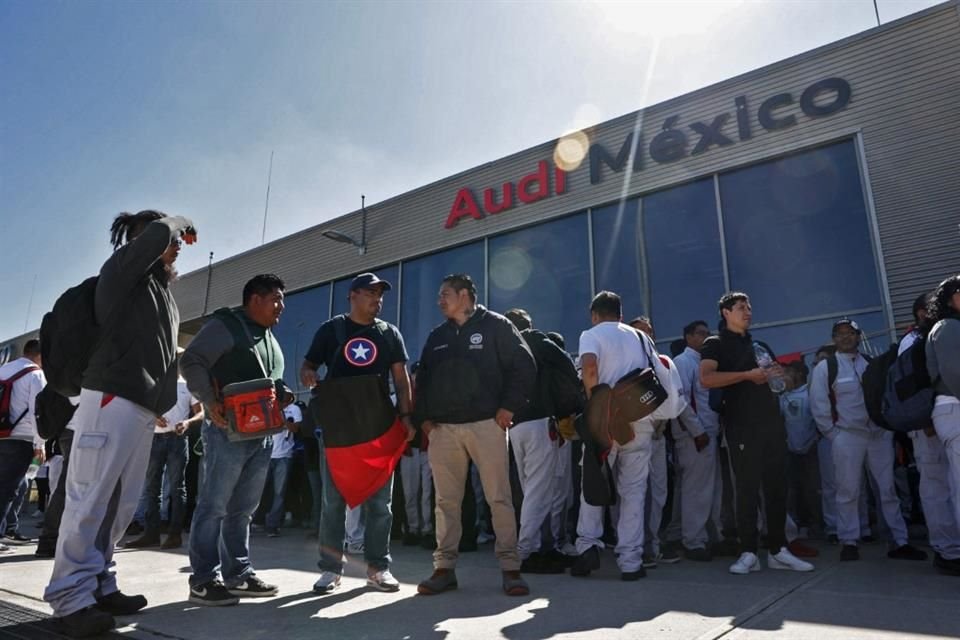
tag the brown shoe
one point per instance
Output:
(441, 580)
(173, 541)
(514, 584)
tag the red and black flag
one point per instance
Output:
(362, 434)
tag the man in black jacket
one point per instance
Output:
(475, 373)
(131, 379)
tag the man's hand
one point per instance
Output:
(293, 427)
(427, 427)
(40, 455)
(408, 424)
(308, 376)
(773, 371)
(179, 428)
(504, 418)
(161, 422)
(701, 441)
(757, 376)
(216, 415)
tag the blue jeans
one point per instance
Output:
(15, 457)
(167, 451)
(279, 472)
(379, 518)
(234, 474)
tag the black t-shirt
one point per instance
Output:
(745, 402)
(367, 350)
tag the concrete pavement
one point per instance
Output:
(873, 598)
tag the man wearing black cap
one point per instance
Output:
(359, 344)
(838, 406)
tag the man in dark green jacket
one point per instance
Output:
(234, 346)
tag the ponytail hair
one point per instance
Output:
(128, 226)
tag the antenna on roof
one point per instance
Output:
(876, 11)
(266, 205)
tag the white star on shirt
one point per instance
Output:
(360, 352)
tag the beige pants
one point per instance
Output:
(452, 446)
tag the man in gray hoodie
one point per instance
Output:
(130, 379)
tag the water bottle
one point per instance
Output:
(765, 361)
(33, 469)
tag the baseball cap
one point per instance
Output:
(846, 321)
(369, 281)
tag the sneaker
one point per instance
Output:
(586, 562)
(273, 532)
(668, 555)
(382, 580)
(143, 542)
(633, 576)
(4, 548)
(483, 537)
(786, 561)
(541, 563)
(441, 580)
(173, 541)
(948, 566)
(906, 552)
(355, 548)
(746, 563)
(849, 553)
(649, 561)
(253, 587)
(86, 622)
(700, 554)
(514, 584)
(328, 582)
(569, 549)
(119, 604)
(212, 594)
(18, 539)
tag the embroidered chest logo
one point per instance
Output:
(360, 352)
(476, 341)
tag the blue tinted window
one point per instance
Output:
(617, 256)
(797, 234)
(545, 270)
(341, 294)
(421, 281)
(684, 261)
(807, 337)
(303, 314)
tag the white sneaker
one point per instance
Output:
(355, 548)
(327, 583)
(787, 561)
(746, 563)
(383, 580)
(569, 549)
(4, 548)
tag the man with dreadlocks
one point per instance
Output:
(131, 378)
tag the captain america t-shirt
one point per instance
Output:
(368, 349)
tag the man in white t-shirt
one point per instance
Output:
(281, 460)
(608, 352)
(169, 454)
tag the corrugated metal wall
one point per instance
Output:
(905, 90)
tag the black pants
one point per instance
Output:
(759, 454)
(54, 511)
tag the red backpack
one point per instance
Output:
(7, 424)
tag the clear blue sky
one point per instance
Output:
(121, 106)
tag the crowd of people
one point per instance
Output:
(496, 432)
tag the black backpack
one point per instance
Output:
(68, 336)
(53, 412)
(561, 387)
(908, 395)
(873, 381)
